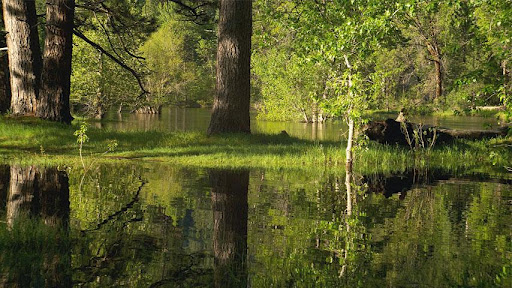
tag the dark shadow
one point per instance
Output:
(401, 182)
(230, 214)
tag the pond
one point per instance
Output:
(158, 225)
(197, 119)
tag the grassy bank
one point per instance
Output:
(29, 141)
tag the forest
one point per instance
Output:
(310, 60)
(255, 143)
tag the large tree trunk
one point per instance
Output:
(5, 88)
(232, 100)
(24, 54)
(230, 213)
(56, 78)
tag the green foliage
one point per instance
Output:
(180, 68)
(391, 48)
(289, 87)
(97, 82)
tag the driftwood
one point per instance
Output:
(412, 134)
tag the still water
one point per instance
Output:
(197, 119)
(157, 225)
(137, 224)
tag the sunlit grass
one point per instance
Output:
(37, 142)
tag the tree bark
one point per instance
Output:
(24, 54)
(232, 99)
(5, 88)
(348, 152)
(434, 51)
(5, 175)
(230, 213)
(56, 78)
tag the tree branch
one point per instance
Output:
(115, 59)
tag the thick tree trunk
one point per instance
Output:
(232, 100)
(230, 213)
(56, 78)
(5, 88)
(24, 54)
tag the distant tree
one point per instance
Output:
(98, 83)
(177, 73)
(232, 99)
(494, 18)
(24, 54)
(53, 103)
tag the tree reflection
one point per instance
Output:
(230, 213)
(35, 246)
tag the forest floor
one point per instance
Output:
(34, 142)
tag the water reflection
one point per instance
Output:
(230, 213)
(157, 225)
(35, 246)
(402, 182)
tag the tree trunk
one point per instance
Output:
(230, 213)
(232, 99)
(505, 81)
(5, 89)
(24, 54)
(99, 109)
(5, 175)
(350, 141)
(434, 51)
(56, 78)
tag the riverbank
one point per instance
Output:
(37, 142)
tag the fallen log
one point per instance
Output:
(414, 135)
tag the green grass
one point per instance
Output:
(28, 141)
